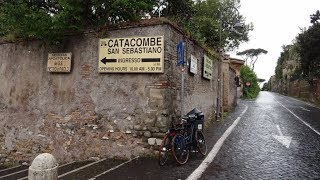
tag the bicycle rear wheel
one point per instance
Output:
(201, 142)
(164, 150)
(180, 151)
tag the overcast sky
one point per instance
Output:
(276, 22)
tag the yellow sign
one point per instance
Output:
(131, 55)
(59, 62)
(207, 67)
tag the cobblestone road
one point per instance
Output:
(277, 138)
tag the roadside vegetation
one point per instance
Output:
(49, 20)
(298, 68)
(248, 75)
(304, 54)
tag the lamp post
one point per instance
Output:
(234, 26)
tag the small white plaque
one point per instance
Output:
(193, 65)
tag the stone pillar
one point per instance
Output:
(43, 167)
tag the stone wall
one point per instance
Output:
(236, 65)
(229, 94)
(299, 88)
(83, 113)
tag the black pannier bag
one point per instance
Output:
(197, 117)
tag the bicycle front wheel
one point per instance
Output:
(201, 142)
(164, 150)
(180, 151)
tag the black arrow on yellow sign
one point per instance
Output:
(105, 60)
(150, 59)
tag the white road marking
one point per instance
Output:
(196, 174)
(284, 140)
(82, 167)
(298, 100)
(61, 166)
(24, 178)
(304, 109)
(279, 130)
(116, 167)
(18, 172)
(10, 168)
(284, 98)
(298, 117)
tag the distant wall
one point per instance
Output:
(232, 89)
(84, 113)
(229, 86)
(300, 89)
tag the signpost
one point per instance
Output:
(131, 55)
(180, 61)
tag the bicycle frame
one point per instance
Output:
(188, 136)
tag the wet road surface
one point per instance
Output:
(276, 137)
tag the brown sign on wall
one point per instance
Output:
(59, 62)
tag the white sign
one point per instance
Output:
(193, 65)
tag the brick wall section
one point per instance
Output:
(82, 114)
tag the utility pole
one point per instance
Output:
(181, 61)
(221, 53)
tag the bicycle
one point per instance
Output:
(189, 138)
(165, 147)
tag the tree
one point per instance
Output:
(50, 19)
(309, 51)
(289, 53)
(178, 11)
(315, 17)
(247, 75)
(205, 24)
(284, 56)
(202, 20)
(253, 55)
(22, 19)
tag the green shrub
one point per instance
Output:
(247, 75)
